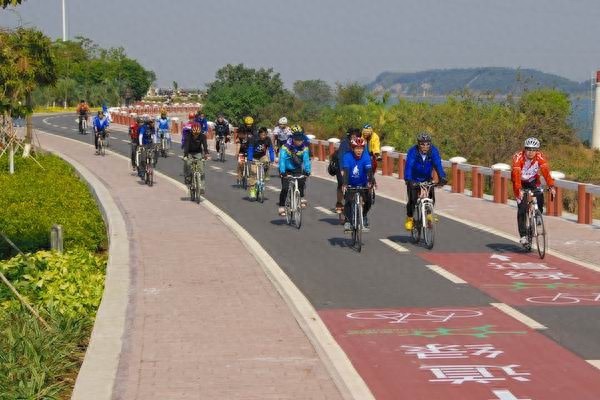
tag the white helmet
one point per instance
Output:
(283, 121)
(532, 143)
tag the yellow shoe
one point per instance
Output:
(409, 224)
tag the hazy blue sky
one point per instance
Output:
(335, 40)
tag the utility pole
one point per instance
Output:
(64, 21)
(595, 142)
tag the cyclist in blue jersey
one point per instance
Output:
(357, 171)
(99, 124)
(421, 160)
(293, 160)
(163, 128)
(146, 142)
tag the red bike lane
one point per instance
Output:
(458, 353)
(523, 279)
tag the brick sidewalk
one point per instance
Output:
(204, 322)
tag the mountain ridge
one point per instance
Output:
(498, 80)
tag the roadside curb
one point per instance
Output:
(342, 372)
(98, 373)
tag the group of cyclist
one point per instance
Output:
(356, 158)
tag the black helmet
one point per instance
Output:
(423, 137)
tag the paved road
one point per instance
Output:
(399, 284)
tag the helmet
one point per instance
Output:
(423, 137)
(283, 121)
(532, 143)
(367, 129)
(191, 115)
(357, 142)
(297, 129)
(248, 120)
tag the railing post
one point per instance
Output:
(496, 185)
(458, 176)
(401, 165)
(555, 205)
(558, 202)
(581, 204)
(475, 182)
(500, 183)
(321, 151)
(454, 184)
(387, 163)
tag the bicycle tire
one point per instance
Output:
(415, 232)
(429, 227)
(101, 147)
(260, 194)
(541, 239)
(198, 184)
(288, 208)
(372, 193)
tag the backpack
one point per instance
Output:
(334, 166)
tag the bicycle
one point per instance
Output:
(197, 182)
(83, 124)
(101, 143)
(424, 217)
(163, 146)
(260, 181)
(357, 216)
(245, 173)
(221, 142)
(149, 168)
(293, 208)
(534, 224)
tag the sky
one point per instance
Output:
(187, 41)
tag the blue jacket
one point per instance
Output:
(203, 124)
(257, 145)
(358, 170)
(286, 159)
(145, 135)
(420, 170)
(100, 125)
(162, 124)
(345, 148)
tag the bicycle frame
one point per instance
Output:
(357, 216)
(531, 223)
(260, 180)
(423, 208)
(293, 211)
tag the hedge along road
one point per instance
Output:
(342, 284)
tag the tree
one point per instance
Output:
(316, 91)
(6, 3)
(239, 91)
(175, 87)
(351, 93)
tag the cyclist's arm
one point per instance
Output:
(251, 153)
(271, 152)
(282, 160)
(375, 144)
(516, 175)
(437, 164)
(545, 169)
(307, 164)
(410, 162)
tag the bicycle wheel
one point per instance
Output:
(192, 192)
(415, 233)
(298, 210)
(101, 147)
(357, 231)
(260, 193)
(541, 239)
(199, 185)
(429, 226)
(222, 152)
(150, 175)
(288, 208)
(372, 193)
(245, 177)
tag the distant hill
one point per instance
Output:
(490, 79)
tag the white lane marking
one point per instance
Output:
(171, 153)
(75, 130)
(448, 275)
(273, 188)
(519, 316)
(325, 210)
(394, 245)
(180, 157)
(595, 363)
(504, 394)
(124, 140)
(216, 168)
(232, 173)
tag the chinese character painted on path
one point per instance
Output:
(459, 374)
(438, 351)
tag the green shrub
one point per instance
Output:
(34, 199)
(36, 363)
(70, 283)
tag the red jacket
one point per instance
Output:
(133, 132)
(524, 170)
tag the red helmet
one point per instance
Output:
(357, 142)
(191, 116)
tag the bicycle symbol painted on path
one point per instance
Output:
(565, 298)
(395, 317)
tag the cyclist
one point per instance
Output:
(134, 136)
(281, 133)
(421, 160)
(201, 119)
(82, 110)
(187, 127)
(163, 128)
(357, 171)
(195, 144)
(221, 130)
(248, 126)
(293, 160)
(100, 124)
(258, 149)
(244, 137)
(373, 145)
(145, 142)
(527, 166)
(344, 148)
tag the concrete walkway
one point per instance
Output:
(203, 320)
